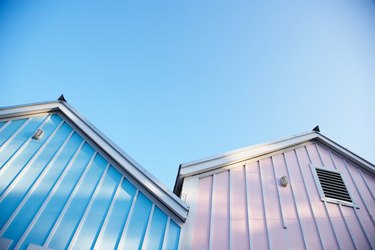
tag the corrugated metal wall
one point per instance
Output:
(245, 207)
(59, 192)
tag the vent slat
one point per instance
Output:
(333, 192)
(329, 174)
(333, 185)
(336, 185)
(328, 177)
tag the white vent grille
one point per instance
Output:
(332, 186)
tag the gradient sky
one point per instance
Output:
(176, 81)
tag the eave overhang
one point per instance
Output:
(247, 153)
(134, 169)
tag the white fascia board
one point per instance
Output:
(232, 157)
(347, 153)
(168, 198)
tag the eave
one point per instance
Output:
(134, 169)
(247, 153)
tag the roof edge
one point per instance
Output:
(154, 186)
(247, 153)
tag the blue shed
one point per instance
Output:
(63, 184)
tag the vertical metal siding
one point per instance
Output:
(283, 217)
(59, 192)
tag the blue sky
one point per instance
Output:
(176, 81)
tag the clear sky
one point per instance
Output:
(176, 81)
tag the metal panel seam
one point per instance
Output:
(321, 193)
(247, 208)
(125, 229)
(31, 161)
(19, 150)
(264, 207)
(24, 124)
(56, 185)
(29, 192)
(87, 210)
(145, 238)
(67, 204)
(166, 233)
(295, 203)
(105, 223)
(309, 201)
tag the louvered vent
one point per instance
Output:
(333, 185)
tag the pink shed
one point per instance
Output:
(237, 200)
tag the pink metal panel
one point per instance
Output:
(322, 210)
(295, 237)
(301, 198)
(238, 217)
(369, 179)
(254, 218)
(361, 185)
(220, 230)
(276, 230)
(201, 234)
(257, 220)
(368, 230)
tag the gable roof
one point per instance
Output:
(247, 153)
(134, 169)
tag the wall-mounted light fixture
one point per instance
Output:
(38, 134)
(284, 181)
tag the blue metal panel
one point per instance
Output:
(9, 150)
(111, 235)
(43, 179)
(10, 129)
(91, 225)
(1, 124)
(58, 198)
(157, 230)
(76, 208)
(173, 236)
(138, 222)
(59, 192)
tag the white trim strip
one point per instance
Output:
(166, 234)
(109, 212)
(308, 198)
(145, 238)
(347, 227)
(67, 204)
(247, 208)
(51, 193)
(264, 206)
(121, 244)
(212, 208)
(88, 208)
(32, 188)
(367, 185)
(278, 194)
(229, 209)
(295, 202)
(32, 160)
